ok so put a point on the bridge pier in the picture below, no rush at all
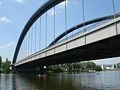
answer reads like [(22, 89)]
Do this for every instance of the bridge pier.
[(36, 70)]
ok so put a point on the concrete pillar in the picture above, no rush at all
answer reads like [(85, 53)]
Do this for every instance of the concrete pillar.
[(102, 66)]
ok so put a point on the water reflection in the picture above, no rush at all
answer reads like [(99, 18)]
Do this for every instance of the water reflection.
[(106, 80)]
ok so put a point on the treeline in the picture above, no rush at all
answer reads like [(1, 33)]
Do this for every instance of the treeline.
[(4, 66), (69, 67), (75, 67)]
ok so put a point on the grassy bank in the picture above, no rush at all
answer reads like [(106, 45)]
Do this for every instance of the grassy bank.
[(111, 69)]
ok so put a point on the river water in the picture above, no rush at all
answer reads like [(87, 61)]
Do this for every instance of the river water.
[(105, 80)]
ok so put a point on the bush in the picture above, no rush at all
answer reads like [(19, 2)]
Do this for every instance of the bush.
[(98, 68)]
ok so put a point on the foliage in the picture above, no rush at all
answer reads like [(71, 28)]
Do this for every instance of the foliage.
[(98, 68), (74, 67), (111, 69), (54, 68), (0, 63), (68, 67), (5, 66)]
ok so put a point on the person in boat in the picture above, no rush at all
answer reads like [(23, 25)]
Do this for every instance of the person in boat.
[(42, 75)]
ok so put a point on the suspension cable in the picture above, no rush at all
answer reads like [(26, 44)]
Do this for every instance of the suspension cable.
[(21, 52), (83, 10), (20, 55), (40, 35), (66, 21), (114, 11), (54, 23), (28, 44), (46, 32), (35, 35), (66, 17), (31, 39), (54, 27), (24, 48), (113, 4)]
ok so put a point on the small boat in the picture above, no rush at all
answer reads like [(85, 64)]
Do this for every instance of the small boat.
[(43, 75)]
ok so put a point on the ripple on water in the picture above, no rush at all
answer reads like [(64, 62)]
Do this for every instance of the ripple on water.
[(106, 80)]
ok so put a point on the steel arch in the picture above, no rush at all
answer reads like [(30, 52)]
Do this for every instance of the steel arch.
[(48, 5)]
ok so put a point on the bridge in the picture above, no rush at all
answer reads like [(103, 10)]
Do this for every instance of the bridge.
[(96, 38)]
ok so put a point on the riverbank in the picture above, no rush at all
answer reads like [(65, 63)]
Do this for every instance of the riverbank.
[(116, 69)]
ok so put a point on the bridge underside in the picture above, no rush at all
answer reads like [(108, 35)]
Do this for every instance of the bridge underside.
[(106, 48)]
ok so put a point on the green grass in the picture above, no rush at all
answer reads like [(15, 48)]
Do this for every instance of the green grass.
[(111, 69)]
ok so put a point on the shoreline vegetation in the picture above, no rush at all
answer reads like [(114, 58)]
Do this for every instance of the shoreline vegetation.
[(5, 66), (115, 69), (68, 67), (74, 67)]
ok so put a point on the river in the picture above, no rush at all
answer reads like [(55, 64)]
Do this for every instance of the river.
[(104, 80)]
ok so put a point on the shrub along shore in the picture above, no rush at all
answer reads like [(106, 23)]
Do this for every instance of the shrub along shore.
[(5, 66), (74, 67)]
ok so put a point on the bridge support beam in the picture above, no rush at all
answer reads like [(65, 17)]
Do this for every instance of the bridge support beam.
[(38, 70)]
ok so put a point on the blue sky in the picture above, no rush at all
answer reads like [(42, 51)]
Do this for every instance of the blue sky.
[(14, 14)]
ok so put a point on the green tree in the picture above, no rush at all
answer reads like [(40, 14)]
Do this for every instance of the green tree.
[(6, 66), (91, 65), (69, 67), (54, 68), (0, 61), (0, 64), (76, 66), (98, 68)]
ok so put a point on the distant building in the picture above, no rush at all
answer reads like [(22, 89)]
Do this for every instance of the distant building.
[(118, 65), (108, 66)]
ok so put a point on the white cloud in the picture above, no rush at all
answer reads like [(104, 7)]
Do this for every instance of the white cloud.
[(7, 45), (4, 19), (20, 1)]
